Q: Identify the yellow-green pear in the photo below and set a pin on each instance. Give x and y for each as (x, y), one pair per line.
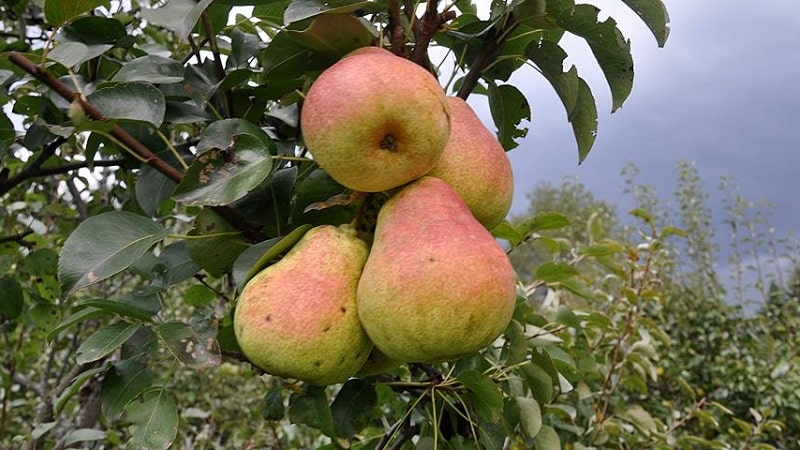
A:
(298, 318)
(475, 164)
(436, 285)
(375, 121)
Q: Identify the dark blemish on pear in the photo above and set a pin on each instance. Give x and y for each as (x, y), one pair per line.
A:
(326, 328)
(342, 309)
(317, 363)
(389, 143)
(268, 318)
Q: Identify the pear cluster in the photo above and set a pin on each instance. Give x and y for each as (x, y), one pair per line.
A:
(434, 285)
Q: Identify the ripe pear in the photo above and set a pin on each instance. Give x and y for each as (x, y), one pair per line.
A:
(298, 318)
(475, 164)
(436, 285)
(375, 121)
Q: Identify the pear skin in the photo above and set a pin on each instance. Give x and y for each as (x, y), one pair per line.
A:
(475, 164)
(298, 317)
(375, 121)
(436, 285)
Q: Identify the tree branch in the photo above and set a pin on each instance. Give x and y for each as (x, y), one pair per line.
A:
(127, 140)
(212, 42)
(429, 24)
(396, 32)
(19, 238)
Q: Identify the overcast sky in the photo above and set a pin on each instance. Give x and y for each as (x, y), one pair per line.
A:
(724, 92)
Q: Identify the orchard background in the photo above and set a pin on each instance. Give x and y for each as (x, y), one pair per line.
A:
(120, 261)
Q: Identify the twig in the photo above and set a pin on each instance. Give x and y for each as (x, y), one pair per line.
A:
(429, 24)
(83, 212)
(19, 238)
(212, 42)
(486, 56)
(396, 32)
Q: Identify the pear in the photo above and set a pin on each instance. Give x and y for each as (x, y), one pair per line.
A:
(298, 318)
(375, 121)
(475, 164)
(436, 285)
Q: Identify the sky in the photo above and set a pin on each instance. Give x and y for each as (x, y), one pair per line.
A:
(724, 92)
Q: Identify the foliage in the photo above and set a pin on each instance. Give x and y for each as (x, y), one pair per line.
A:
(161, 162)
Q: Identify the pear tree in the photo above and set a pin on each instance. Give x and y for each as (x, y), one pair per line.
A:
(162, 162)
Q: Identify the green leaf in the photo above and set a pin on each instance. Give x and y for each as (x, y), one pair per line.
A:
(179, 16)
(541, 222)
(334, 35)
(266, 204)
(199, 295)
(654, 15)
(12, 299)
(272, 407)
(554, 272)
(640, 419)
(121, 308)
(130, 101)
(547, 439)
(222, 134)
(192, 344)
(104, 245)
(215, 244)
(507, 232)
(85, 39)
(59, 12)
(539, 382)
(178, 261)
(42, 262)
(83, 435)
(151, 69)
(154, 420)
(7, 132)
(75, 386)
(299, 10)
(104, 341)
(355, 404)
(483, 394)
(575, 94)
(530, 415)
(311, 408)
(609, 46)
(79, 316)
(317, 188)
(125, 381)
(509, 108)
(262, 254)
(221, 176)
